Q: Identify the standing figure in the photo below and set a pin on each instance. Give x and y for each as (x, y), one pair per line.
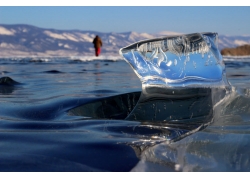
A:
(97, 44)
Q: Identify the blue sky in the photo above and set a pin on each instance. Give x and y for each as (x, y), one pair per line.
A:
(230, 20)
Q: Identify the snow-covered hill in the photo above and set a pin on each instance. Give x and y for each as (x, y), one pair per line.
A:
(27, 40)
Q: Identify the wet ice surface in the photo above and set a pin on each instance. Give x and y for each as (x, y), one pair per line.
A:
(73, 116)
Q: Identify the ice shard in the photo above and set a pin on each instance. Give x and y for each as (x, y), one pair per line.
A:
(177, 61)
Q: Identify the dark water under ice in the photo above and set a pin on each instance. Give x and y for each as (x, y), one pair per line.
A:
(60, 114)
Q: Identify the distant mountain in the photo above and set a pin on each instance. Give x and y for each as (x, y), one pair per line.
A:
(27, 40)
(232, 41)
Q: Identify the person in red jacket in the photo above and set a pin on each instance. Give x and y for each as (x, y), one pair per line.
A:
(97, 45)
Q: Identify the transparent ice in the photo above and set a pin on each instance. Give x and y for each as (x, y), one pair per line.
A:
(177, 61)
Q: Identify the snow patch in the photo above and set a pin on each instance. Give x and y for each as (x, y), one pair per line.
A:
(240, 42)
(92, 35)
(85, 37)
(64, 36)
(4, 31)
(70, 37)
(25, 30)
(224, 42)
(112, 37)
(54, 35)
(66, 46)
(147, 36)
(6, 45)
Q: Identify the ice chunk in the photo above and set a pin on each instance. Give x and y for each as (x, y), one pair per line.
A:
(177, 61)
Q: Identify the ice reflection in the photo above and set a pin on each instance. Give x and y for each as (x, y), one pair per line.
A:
(161, 114)
(221, 146)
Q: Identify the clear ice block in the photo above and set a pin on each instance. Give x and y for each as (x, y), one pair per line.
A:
(177, 61)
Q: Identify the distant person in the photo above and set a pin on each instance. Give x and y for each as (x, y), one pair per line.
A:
(97, 44)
